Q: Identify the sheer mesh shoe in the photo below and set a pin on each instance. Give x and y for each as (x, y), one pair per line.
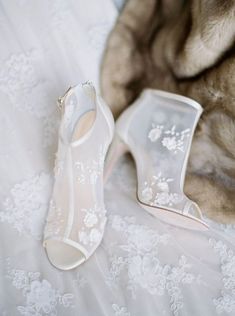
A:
(157, 130)
(76, 218)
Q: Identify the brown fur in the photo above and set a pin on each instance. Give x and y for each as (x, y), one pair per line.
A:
(185, 47)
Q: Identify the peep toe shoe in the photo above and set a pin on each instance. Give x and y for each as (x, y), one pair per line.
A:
(77, 216)
(157, 129)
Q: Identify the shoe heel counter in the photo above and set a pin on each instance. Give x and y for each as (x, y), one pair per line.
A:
(108, 115)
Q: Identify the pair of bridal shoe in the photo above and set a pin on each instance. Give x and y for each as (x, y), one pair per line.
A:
(157, 130)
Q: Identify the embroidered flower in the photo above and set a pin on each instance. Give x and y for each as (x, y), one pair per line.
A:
(26, 207)
(141, 239)
(146, 271)
(120, 310)
(42, 296)
(166, 198)
(175, 140)
(147, 194)
(54, 222)
(162, 198)
(226, 301)
(155, 133)
(163, 186)
(83, 237)
(92, 215)
(92, 237)
(118, 223)
(95, 235)
(20, 281)
(20, 80)
(157, 192)
(90, 219)
(138, 255)
(90, 171)
(169, 142)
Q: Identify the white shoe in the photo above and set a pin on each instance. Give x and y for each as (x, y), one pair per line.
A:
(76, 218)
(157, 130)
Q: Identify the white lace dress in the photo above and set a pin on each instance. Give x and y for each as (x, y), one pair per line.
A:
(143, 267)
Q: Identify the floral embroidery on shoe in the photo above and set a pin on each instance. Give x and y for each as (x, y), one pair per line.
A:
(91, 170)
(90, 219)
(94, 222)
(155, 133)
(55, 221)
(147, 194)
(173, 141)
(93, 215)
(157, 192)
(167, 199)
(91, 237)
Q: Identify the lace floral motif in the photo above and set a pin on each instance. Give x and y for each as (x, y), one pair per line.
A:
(172, 139)
(142, 262)
(157, 192)
(155, 133)
(55, 221)
(80, 281)
(91, 237)
(120, 310)
(27, 205)
(40, 297)
(90, 171)
(226, 302)
(93, 217)
(19, 80)
(27, 92)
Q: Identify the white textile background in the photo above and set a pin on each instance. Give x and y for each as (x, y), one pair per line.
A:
(143, 267)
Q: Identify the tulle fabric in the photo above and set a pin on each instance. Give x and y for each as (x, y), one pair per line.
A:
(143, 267)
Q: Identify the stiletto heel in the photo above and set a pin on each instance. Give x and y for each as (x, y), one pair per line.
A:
(158, 129)
(117, 149)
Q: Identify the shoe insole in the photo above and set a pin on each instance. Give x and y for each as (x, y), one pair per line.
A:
(84, 124)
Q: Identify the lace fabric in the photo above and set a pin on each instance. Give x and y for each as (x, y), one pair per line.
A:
(193, 273)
